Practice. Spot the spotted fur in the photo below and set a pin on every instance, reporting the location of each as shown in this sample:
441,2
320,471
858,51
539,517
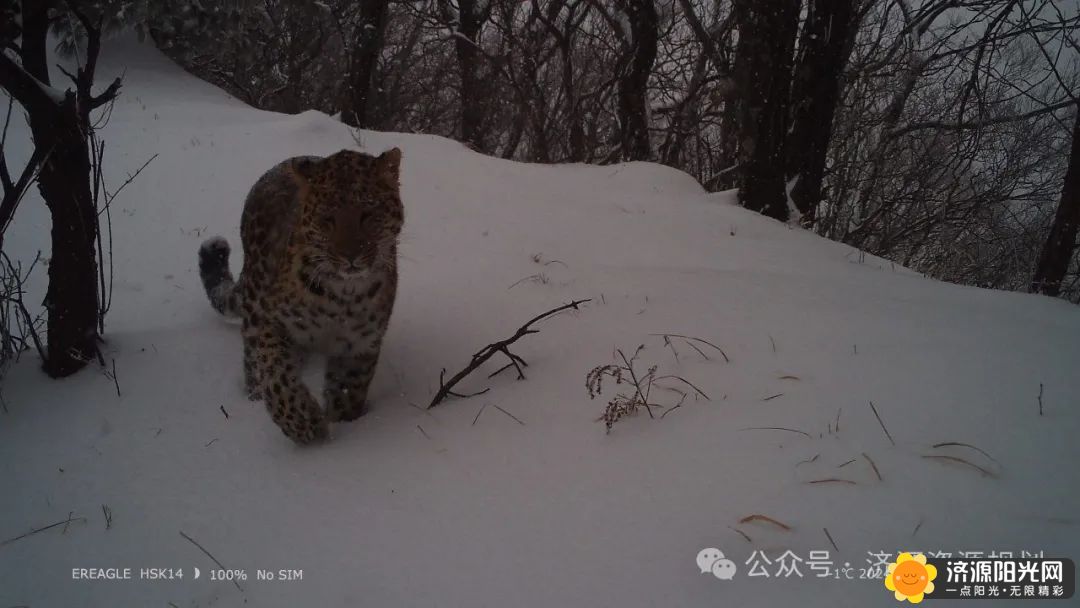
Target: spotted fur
320,274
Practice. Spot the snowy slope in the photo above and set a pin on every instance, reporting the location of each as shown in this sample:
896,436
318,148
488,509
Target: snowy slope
412,508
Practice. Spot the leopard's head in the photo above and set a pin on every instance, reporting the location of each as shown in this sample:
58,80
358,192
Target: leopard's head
351,213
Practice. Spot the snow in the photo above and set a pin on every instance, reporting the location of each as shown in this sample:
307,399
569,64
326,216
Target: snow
55,95
441,507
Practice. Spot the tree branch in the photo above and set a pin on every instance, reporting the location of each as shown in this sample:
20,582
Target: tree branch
107,95
27,90
502,346
14,192
945,126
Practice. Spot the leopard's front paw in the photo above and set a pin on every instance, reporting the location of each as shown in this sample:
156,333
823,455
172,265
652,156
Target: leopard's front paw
343,405
306,430
302,421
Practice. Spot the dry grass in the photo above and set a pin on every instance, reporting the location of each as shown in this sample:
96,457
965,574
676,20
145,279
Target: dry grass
638,385
742,534
965,445
690,341
766,519
832,480
873,466
831,541
777,428
882,423
538,278
943,457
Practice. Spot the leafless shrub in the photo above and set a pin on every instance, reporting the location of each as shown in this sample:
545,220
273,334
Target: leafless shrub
19,330
636,392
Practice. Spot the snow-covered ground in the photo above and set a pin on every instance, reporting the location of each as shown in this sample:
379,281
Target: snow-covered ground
406,507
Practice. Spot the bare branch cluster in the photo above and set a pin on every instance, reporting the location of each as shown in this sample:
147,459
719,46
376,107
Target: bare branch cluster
484,354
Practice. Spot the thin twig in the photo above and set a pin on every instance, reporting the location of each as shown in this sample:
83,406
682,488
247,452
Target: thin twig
211,556
481,411
63,522
516,419
917,526
110,196
222,407
423,432
882,423
776,428
116,381
833,480
1040,399
873,466
770,398
831,541
742,534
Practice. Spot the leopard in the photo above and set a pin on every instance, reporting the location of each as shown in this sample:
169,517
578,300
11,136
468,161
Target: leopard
319,275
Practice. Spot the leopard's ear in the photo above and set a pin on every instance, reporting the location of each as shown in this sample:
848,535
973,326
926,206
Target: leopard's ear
389,164
305,167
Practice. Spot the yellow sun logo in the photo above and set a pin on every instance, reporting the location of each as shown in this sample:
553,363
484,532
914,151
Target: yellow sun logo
911,578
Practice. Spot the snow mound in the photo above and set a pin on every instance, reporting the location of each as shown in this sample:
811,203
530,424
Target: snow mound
528,503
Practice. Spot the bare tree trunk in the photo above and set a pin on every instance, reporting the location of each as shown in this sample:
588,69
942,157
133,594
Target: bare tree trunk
767,31
824,46
635,68
564,40
1057,252
72,298
471,15
61,128
367,45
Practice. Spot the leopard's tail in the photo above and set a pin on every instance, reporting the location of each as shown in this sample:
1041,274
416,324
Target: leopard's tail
216,278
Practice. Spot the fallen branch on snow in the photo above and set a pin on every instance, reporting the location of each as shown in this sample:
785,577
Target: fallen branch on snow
502,346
